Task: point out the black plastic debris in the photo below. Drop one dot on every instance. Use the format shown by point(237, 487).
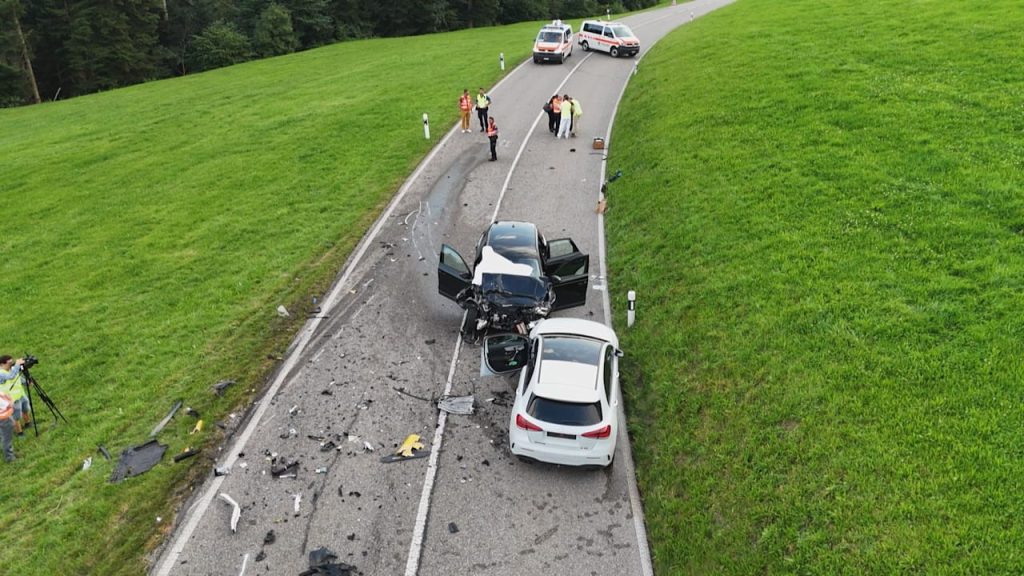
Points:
point(452, 528)
point(328, 446)
point(219, 387)
point(136, 460)
point(270, 538)
point(192, 412)
point(160, 426)
point(103, 450)
point(261, 556)
point(323, 561)
point(429, 342)
point(186, 454)
point(284, 469)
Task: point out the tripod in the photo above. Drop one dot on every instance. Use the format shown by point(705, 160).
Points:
point(31, 383)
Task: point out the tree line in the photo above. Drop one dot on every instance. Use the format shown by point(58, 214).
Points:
point(53, 49)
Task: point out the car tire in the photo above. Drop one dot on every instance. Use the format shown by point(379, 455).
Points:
point(536, 60)
point(614, 51)
point(561, 58)
point(469, 325)
point(585, 46)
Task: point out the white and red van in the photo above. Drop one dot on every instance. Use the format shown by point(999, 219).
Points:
point(614, 38)
point(554, 42)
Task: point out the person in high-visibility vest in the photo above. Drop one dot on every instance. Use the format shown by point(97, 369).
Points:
point(483, 102)
point(492, 135)
point(12, 383)
point(465, 106)
point(7, 426)
point(566, 122)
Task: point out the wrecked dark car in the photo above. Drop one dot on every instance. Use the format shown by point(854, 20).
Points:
point(517, 278)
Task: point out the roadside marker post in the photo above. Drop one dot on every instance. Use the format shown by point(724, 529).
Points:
point(501, 60)
point(631, 308)
point(426, 126)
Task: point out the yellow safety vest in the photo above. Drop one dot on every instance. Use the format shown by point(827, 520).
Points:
point(481, 101)
point(14, 386)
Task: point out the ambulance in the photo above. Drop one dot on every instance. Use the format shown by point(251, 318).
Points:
point(611, 37)
point(554, 42)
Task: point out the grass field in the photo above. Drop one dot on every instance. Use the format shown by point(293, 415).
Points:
point(822, 215)
point(152, 233)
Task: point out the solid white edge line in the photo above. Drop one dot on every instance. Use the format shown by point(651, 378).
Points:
point(635, 502)
point(198, 510)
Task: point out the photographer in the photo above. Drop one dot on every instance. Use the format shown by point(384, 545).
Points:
point(12, 383)
point(6, 427)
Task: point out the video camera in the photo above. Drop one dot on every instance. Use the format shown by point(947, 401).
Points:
point(30, 361)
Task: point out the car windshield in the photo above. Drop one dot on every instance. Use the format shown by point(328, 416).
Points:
point(510, 285)
point(564, 413)
point(550, 36)
point(622, 32)
point(568, 349)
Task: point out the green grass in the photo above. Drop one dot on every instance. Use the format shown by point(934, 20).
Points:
point(153, 231)
point(822, 215)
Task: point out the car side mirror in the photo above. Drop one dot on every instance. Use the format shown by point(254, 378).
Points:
point(555, 279)
point(619, 353)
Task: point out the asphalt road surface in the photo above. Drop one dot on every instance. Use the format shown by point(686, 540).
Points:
point(365, 373)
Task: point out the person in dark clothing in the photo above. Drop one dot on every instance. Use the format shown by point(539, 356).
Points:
point(554, 113)
point(492, 134)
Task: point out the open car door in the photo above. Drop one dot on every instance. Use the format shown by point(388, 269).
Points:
point(504, 353)
point(453, 275)
point(569, 272)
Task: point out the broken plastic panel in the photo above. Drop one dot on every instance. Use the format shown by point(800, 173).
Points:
point(136, 460)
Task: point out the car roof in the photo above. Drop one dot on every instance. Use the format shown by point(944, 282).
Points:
point(567, 382)
point(575, 326)
point(513, 240)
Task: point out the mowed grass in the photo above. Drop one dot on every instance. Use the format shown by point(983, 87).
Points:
point(151, 233)
point(822, 214)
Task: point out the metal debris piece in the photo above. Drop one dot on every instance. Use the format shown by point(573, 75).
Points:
point(323, 562)
point(221, 471)
point(245, 562)
point(160, 426)
point(187, 453)
point(136, 460)
point(367, 447)
point(298, 500)
point(282, 311)
point(402, 390)
point(87, 464)
point(456, 404)
point(219, 387)
point(236, 510)
point(283, 469)
point(411, 448)
point(293, 409)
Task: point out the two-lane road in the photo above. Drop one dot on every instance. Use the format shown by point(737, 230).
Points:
point(365, 374)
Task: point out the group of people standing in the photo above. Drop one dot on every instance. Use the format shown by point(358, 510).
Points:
point(563, 115)
point(482, 103)
point(15, 412)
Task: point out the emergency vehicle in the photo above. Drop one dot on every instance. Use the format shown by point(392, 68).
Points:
point(614, 38)
point(554, 42)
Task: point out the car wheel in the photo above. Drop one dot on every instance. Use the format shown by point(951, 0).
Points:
point(469, 324)
point(524, 460)
point(536, 60)
point(561, 58)
point(586, 47)
point(614, 52)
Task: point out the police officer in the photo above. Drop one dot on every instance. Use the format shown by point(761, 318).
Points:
point(483, 102)
point(12, 383)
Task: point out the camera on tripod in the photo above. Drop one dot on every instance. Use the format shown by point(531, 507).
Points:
point(32, 386)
